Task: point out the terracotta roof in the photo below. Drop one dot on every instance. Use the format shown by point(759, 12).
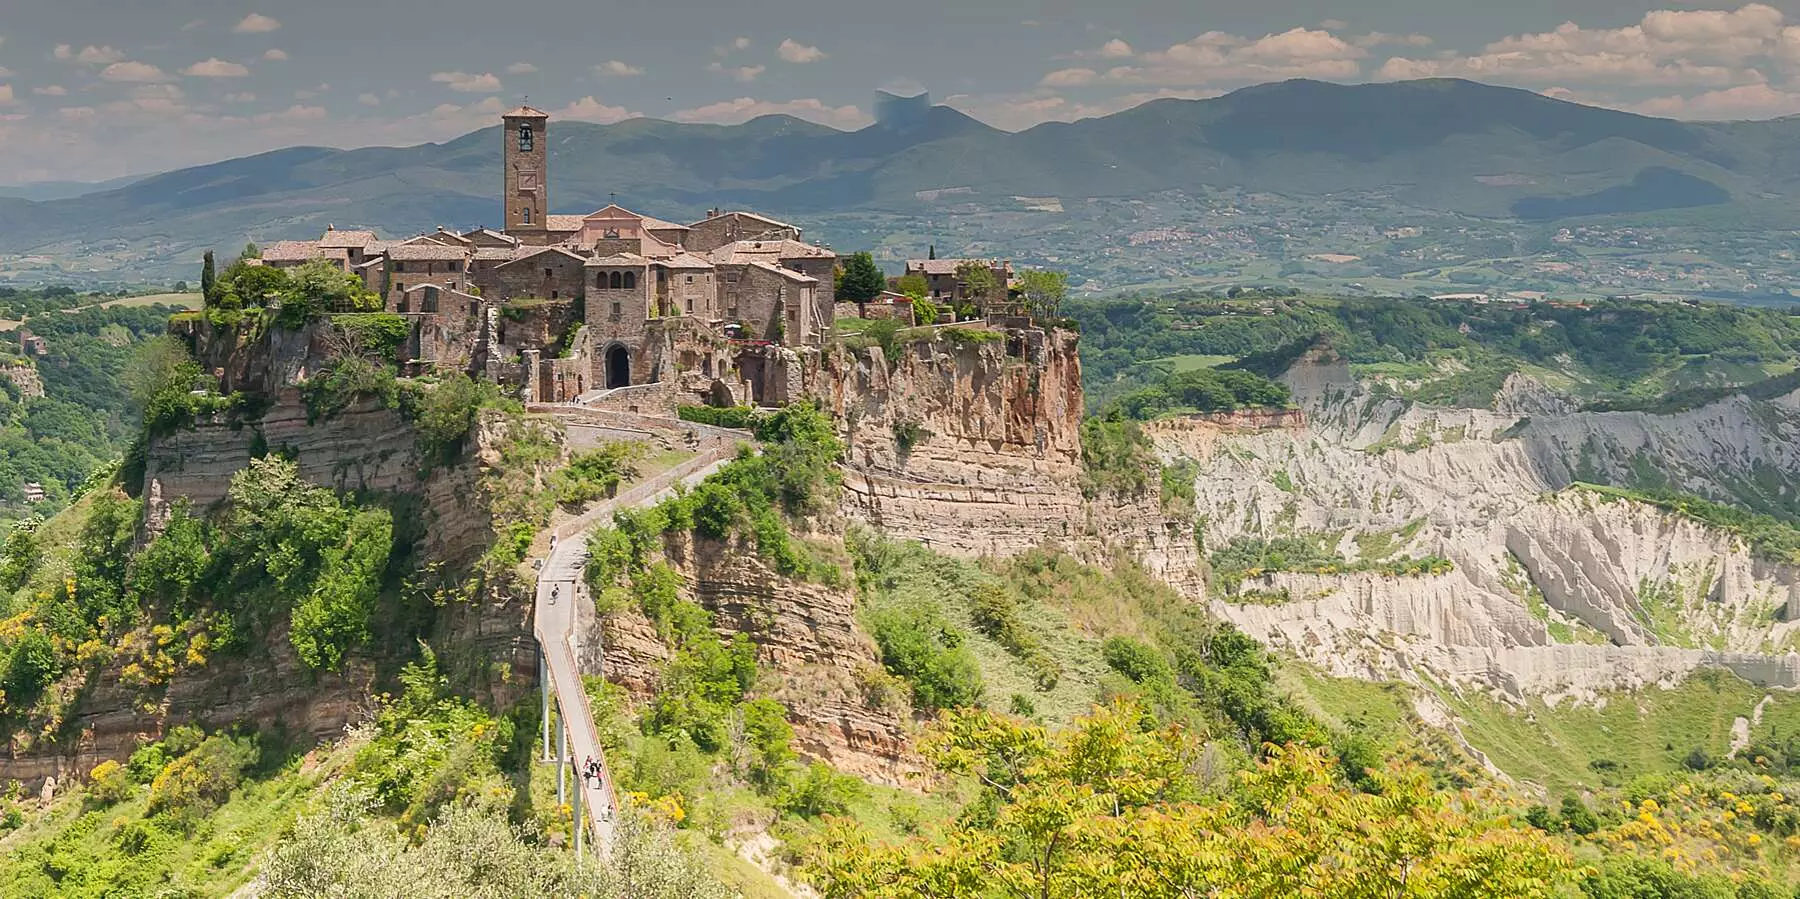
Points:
point(426, 250)
point(496, 252)
point(347, 240)
point(944, 266)
point(489, 232)
point(749, 215)
point(563, 222)
point(787, 273)
point(527, 112)
point(660, 225)
point(292, 251)
point(763, 250)
point(684, 260)
point(618, 259)
point(521, 256)
point(613, 211)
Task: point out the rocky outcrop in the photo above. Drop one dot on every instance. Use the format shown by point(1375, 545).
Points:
point(1554, 590)
point(808, 645)
point(24, 378)
point(973, 446)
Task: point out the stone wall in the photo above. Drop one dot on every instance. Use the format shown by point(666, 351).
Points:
point(24, 376)
point(548, 275)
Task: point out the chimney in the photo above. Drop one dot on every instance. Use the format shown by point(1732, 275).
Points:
point(330, 227)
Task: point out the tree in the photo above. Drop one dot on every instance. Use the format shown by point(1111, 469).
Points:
point(1044, 292)
point(978, 280)
point(1112, 808)
point(250, 252)
point(913, 285)
point(862, 281)
point(208, 279)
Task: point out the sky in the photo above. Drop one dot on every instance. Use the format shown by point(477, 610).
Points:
point(99, 89)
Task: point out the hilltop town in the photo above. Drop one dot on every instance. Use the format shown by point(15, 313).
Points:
point(565, 307)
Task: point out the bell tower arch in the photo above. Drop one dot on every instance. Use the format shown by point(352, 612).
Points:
point(525, 155)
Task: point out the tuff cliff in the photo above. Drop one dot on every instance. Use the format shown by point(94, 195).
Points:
point(974, 447)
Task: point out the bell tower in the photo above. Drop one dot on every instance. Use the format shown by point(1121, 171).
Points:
point(525, 154)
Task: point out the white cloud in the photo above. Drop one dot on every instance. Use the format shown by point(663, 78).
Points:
point(1746, 101)
point(1115, 49)
point(1219, 58)
point(368, 100)
point(51, 90)
point(463, 82)
point(6, 95)
point(133, 73)
point(256, 23)
point(5, 72)
point(618, 69)
point(588, 109)
point(745, 74)
point(742, 43)
point(240, 97)
point(1697, 48)
point(76, 112)
point(521, 68)
point(793, 51)
point(157, 92)
point(216, 68)
point(1378, 38)
point(295, 113)
point(1070, 78)
point(743, 109)
point(275, 54)
point(89, 55)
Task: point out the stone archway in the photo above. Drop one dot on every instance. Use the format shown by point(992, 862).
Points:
point(618, 367)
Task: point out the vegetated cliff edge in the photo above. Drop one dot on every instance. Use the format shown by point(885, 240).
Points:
point(974, 447)
point(1554, 590)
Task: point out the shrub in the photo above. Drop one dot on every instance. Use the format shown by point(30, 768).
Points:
point(1115, 458)
point(1136, 660)
point(995, 612)
point(193, 785)
point(769, 739)
point(108, 783)
point(30, 668)
point(821, 791)
point(743, 418)
point(444, 415)
point(918, 644)
point(596, 474)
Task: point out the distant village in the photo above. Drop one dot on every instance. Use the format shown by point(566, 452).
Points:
point(570, 305)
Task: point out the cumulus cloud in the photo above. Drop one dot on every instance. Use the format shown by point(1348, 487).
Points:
point(133, 73)
point(275, 54)
point(521, 68)
point(256, 23)
point(1378, 38)
point(296, 113)
point(618, 69)
point(6, 95)
point(368, 100)
point(216, 68)
point(240, 97)
point(89, 55)
point(1216, 58)
point(1070, 77)
point(743, 109)
point(51, 90)
point(745, 74)
point(1115, 49)
point(1699, 48)
point(793, 51)
point(588, 109)
point(463, 82)
point(1746, 101)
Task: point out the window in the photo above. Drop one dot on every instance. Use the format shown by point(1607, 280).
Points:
point(553, 295)
point(548, 273)
point(690, 279)
point(399, 266)
point(400, 286)
point(615, 280)
point(525, 215)
point(690, 305)
point(631, 280)
point(615, 309)
point(525, 138)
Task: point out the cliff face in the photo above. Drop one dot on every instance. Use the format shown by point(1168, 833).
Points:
point(975, 448)
point(808, 645)
point(1554, 591)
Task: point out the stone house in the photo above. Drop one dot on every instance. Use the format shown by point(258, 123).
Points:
point(419, 262)
point(548, 273)
point(720, 228)
point(945, 285)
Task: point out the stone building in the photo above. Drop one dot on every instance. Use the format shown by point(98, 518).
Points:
point(562, 305)
point(945, 284)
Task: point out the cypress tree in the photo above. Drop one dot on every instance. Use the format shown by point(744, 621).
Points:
point(208, 289)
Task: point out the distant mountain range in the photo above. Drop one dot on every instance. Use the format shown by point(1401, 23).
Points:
point(1441, 145)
